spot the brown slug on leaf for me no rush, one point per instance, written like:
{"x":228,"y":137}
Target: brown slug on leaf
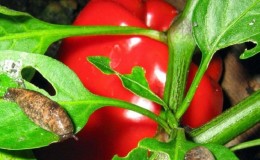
{"x":199,"y":153}
{"x":42,"y":111}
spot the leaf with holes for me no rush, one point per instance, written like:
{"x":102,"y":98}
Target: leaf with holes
{"x":135,"y":81}
{"x":17,"y":131}
{"x":231,"y":22}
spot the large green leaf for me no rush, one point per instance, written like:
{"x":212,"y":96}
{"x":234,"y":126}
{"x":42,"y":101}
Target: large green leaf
{"x":17,"y":131}
{"x":22,"y":32}
{"x":218,"y":24}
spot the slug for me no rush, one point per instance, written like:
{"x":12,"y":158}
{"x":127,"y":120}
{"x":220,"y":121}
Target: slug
{"x":42,"y":111}
{"x":199,"y":153}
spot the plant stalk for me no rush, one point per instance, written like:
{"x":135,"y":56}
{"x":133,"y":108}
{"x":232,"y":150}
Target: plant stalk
{"x":105,"y":101}
{"x":181,"y":48}
{"x":231,"y":123}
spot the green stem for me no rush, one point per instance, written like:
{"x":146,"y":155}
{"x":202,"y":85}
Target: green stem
{"x":231,"y":123}
{"x":116,"y":30}
{"x":104,"y":101}
{"x":247,"y":144}
{"x":194,"y":85}
{"x":181,"y":47}
{"x":63,"y":31}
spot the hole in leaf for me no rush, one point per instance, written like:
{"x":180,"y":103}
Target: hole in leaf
{"x":250,"y":45}
{"x":251,"y":64}
{"x":36,"y":78}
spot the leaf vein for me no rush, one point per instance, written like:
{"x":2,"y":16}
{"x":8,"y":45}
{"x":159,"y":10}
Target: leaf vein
{"x":213,"y":48}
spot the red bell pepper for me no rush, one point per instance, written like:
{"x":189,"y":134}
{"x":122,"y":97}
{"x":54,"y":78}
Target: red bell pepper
{"x":110,"y":130}
{"x":215,"y":68}
{"x":208,"y":100}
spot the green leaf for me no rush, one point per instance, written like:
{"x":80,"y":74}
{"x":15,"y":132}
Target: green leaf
{"x":219,"y":24}
{"x":247,"y":144}
{"x":10,"y":12}
{"x":214,"y":28}
{"x":6,"y":82}
{"x":17,"y":131}
{"x":221,"y":152}
{"x":16,"y":155}
{"x":22,"y":32}
{"x":135,"y":82}
{"x":138,"y":153}
{"x":176,"y":149}
{"x":102,"y":63}
{"x":173,"y":150}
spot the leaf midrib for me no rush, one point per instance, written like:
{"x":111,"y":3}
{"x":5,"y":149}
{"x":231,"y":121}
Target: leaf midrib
{"x":214,"y":46}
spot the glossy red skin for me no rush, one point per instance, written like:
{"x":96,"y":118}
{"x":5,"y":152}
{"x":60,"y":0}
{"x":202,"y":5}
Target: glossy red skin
{"x":159,"y":14}
{"x":111,"y":130}
{"x":104,"y":12}
{"x":215,"y":68}
{"x":136,"y":7}
{"x":207,"y":102}
{"x":106,"y":132}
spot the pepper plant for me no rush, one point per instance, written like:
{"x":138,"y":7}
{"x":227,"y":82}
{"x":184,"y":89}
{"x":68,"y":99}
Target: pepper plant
{"x":24,"y":40}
